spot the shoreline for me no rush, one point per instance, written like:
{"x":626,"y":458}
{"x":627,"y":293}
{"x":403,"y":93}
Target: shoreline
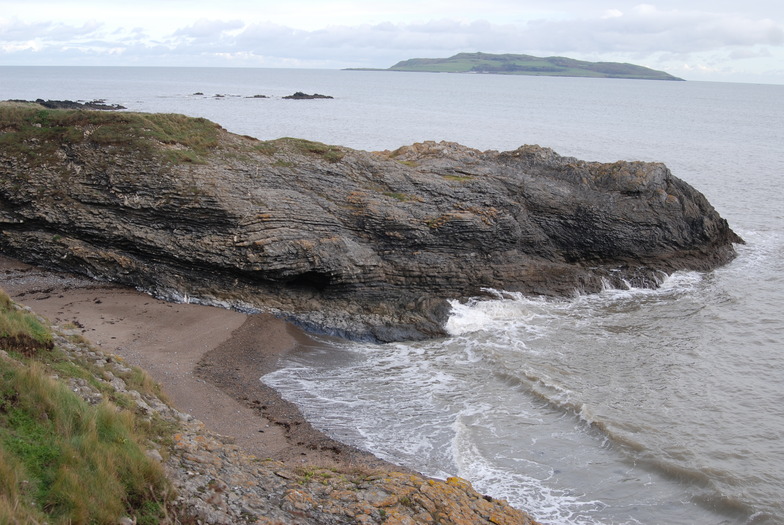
{"x":208,"y":360}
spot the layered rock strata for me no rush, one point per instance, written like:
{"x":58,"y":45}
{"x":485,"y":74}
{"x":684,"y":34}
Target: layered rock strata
{"x":360,"y":244}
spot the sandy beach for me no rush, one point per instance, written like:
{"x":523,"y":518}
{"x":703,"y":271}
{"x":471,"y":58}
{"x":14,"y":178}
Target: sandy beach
{"x":209,"y":360}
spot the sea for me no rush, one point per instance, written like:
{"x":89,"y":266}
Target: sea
{"x":628,"y":406}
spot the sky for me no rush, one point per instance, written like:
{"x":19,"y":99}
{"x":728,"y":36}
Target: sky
{"x":709,"y":40}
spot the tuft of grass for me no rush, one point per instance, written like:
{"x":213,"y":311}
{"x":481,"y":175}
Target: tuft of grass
{"x":402,"y":197}
{"x":314,"y":473}
{"x":63,"y":460}
{"x":266,"y":147}
{"x":458,"y":178}
{"x":21,"y":331}
{"x":81,"y":463}
{"x":140,"y":381}
{"x":327,"y":152}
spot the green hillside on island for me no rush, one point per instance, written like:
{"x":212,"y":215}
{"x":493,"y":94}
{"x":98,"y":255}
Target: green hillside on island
{"x":509,"y":64}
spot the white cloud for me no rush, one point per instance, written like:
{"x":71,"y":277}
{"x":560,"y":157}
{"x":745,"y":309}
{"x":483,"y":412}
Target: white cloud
{"x":203,"y":28}
{"x":740,"y":54}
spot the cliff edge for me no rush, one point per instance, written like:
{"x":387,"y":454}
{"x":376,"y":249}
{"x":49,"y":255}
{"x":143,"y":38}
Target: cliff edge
{"x":359,"y":244}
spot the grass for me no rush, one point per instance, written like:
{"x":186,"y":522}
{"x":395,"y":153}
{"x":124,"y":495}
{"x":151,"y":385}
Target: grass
{"x":63,"y":460}
{"x":402,"y":197}
{"x":458,"y":178}
{"x":81,"y":464}
{"x":20,"y":330}
{"x":327,"y":152}
{"x":308,"y":474}
{"x":265,"y":147}
{"x":37,"y":134}
{"x":140,"y":381}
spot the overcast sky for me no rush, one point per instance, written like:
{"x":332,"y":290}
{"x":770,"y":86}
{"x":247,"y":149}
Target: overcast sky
{"x":721,"y":40}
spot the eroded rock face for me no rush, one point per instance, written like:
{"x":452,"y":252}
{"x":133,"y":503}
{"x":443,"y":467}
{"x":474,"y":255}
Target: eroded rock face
{"x":356,"y":243}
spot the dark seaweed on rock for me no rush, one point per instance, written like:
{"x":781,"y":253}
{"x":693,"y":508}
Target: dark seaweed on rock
{"x":360,"y":244}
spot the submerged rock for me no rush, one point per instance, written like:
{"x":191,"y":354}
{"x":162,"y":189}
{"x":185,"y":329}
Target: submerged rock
{"x":360,"y":244}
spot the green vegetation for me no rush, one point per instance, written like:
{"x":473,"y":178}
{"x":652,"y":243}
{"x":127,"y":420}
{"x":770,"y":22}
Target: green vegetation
{"x":63,"y":460}
{"x":458,"y":178}
{"x":403,"y":197}
{"x":327,"y":152}
{"x":313,"y":472}
{"x":529,"y":65}
{"x":37,"y":133}
{"x":20,"y":331}
{"x":266,"y":147}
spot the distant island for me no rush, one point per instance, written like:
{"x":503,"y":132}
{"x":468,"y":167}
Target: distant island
{"x":509,"y":64}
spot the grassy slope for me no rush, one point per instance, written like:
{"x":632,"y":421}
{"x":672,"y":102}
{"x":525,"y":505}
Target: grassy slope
{"x":183,"y":139}
{"x":529,"y":65}
{"x":63,"y":460}
{"x":37,"y":135}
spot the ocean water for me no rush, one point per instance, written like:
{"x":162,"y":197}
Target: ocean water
{"x":627,"y":406}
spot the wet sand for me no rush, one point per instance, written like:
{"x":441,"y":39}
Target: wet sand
{"x":208,"y":360}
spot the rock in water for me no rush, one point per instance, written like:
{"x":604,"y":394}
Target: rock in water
{"x":359,"y":244}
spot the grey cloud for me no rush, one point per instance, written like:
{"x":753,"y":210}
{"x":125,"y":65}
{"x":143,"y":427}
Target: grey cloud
{"x":654,"y":31}
{"x":63,"y":33}
{"x":436,"y":35}
{"x":208,"y":29}
{"x":273,"y":39}
{"x":639,"y":32}
{"x":741,"y":54}
{"x":15,"y":30}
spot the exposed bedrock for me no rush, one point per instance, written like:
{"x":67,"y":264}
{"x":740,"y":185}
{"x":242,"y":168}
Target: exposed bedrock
{"x":355,"y":243}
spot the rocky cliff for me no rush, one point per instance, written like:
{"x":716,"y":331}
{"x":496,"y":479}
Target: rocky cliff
{"x":356,"y":243}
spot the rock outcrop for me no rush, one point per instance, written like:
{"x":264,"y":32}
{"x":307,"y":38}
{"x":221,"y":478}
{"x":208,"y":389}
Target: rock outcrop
{"x":299,"y":95}
{"x":355,"y":243}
